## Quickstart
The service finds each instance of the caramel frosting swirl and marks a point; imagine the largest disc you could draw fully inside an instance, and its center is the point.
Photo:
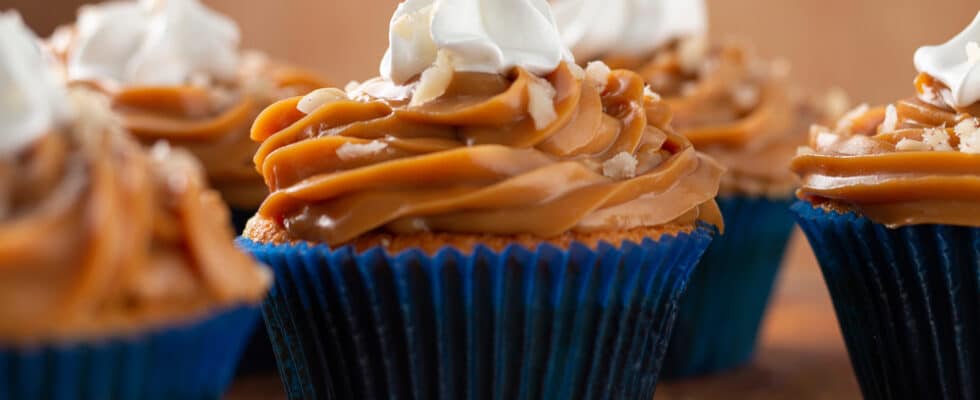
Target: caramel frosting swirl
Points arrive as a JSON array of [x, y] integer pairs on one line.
[[98, 237], [494, 154], [733, 106], [207, 115], [916, 161], [213, 123]]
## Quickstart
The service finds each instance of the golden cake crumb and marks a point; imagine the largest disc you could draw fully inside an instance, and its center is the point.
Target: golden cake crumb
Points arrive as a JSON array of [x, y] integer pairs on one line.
[[263, 230]]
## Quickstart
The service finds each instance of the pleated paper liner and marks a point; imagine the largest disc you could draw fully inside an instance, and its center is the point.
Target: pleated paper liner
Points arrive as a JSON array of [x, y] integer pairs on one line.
[[547, 323], [194, 362], [720, 314], [907, 302]]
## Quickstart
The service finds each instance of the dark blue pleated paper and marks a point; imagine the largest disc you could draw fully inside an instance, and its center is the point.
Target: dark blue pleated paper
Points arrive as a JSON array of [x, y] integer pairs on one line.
[[722, 309], [519, 324], [907, 300], [194, 362]]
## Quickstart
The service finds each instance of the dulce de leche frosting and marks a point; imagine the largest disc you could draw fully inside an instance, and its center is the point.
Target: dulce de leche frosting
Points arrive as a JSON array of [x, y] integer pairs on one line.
[[212, 121], [733, 106], [175, 73], [916, 161], [98, 237], [499, 154]]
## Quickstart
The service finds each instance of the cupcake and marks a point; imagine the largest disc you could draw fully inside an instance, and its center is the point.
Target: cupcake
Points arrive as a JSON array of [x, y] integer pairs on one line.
[[174, 71], [484, 219], [743, 112], [890, 202], [119, 278]]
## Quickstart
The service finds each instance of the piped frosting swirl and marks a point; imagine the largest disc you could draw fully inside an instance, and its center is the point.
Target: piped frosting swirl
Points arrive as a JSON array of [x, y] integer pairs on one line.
[[479, 159], [99, 238], [734, 106], [916, 161], [174, 71]]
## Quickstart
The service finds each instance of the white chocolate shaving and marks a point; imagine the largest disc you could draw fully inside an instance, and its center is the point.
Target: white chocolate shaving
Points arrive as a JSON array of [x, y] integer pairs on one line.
[[891, 119], [969, 134], [937, 139], [318, 98], [351, 151], [911, 145], [622, 166], [598, 73], [847, 121], [435, 80], [541, 102]]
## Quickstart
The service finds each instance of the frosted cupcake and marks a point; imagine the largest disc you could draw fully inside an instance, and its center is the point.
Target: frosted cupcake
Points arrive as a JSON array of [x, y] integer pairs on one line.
[[485, 218], [175, 72], [118, 275], [891, 205], [742, 111]]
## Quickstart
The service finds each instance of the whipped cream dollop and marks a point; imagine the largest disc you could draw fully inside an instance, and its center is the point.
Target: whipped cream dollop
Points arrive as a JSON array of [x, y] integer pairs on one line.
[[32, 97], [491, 36], [592, 28], [956, 64], [153, 42]]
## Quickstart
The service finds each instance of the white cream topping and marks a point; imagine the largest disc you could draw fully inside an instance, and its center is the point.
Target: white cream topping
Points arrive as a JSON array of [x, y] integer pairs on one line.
[[153, 42], [490, 36], [32, 98], [956, 64], [627, 27]]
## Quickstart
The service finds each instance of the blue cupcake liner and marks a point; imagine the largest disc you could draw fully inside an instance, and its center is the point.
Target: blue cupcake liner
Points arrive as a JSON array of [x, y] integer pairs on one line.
[[194, 362], [721, 311], [907, 300], [548, 323]]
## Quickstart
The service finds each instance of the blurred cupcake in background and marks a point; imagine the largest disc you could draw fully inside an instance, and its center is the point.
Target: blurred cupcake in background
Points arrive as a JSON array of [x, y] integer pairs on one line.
[[486, 219], [737, 108], [118, 275], [891, 205], [175, 72]]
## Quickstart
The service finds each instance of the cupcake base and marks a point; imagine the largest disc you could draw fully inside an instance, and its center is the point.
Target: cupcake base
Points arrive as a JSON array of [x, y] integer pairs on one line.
[[721, 311], [568, 323], [908, 302], [193, 362]]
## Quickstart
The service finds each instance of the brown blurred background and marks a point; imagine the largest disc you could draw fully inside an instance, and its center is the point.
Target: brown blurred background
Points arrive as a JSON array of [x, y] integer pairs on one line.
[[863, 46]]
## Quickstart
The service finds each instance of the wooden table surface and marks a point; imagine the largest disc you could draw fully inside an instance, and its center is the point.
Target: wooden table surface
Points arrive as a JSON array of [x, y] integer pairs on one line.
[[802, 355]]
